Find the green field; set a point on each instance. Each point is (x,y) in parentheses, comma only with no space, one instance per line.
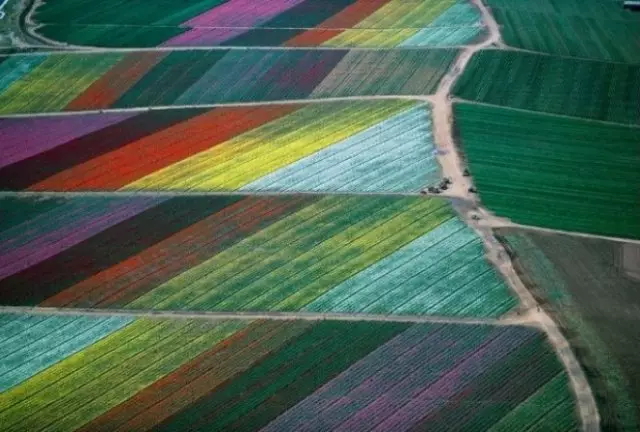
(593,29)
(122,12)
(590,287)
(551,171)
(568,86)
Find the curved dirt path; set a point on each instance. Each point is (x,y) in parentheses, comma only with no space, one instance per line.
(452,167)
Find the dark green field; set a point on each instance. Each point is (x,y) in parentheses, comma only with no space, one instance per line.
(568,86)
(590,287)
(554,172)
(594,29)
(122,12)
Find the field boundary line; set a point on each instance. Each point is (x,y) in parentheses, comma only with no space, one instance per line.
(415,98)
(278,316)
(608,122)
(172,193)
(80,49)
(520,227)
(506,47)
(189,27)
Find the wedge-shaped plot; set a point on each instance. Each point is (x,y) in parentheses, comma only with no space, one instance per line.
(370,254)
(563,173)
(203,375)
(592,288)
(356,146)
(347,23)
(81,81)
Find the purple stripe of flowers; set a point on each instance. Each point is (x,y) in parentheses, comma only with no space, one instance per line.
(241,13)
(229,20)
(434,395)
(74,232)
(23,138)
(400,366)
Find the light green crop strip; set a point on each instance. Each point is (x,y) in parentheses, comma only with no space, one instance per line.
(370,250)
(285,260)
(179,290)
(156,363)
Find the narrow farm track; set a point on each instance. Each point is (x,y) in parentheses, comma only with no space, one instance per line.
(442,109)
(278,316)
(61,48)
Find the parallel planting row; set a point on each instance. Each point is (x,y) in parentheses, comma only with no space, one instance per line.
(200,375)
(294,23)
(595,29)
(592,287)
(563,173)
(355,146)
(388,255)
(567,86)
(80,81)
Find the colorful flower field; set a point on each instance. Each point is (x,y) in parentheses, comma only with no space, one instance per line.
(293,23)
(591,286)
(357,146)
(81,81)
(269,215)
(185,374)
(383,254)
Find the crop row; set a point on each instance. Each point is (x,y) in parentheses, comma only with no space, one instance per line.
(178,375)
(567,86)
(349,23)
(568,174)
(80,81)
(359,146)
(591,286)
(388,255)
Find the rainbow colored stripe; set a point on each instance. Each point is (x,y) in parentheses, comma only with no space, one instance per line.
(81,81)
(203,375)
(292,23)
(357,146)
(372,254)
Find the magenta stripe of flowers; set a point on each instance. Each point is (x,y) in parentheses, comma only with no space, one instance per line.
(54,242)
(23,138)
(433,396)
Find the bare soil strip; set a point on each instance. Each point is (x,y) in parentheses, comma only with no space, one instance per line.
(283,316)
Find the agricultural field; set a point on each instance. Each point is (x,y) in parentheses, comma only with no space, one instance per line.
(564,173)
(593,29)
(180,374)
(591,286)
(293,23)
(356,146)
(568,86)
(367,254)
(81,81)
